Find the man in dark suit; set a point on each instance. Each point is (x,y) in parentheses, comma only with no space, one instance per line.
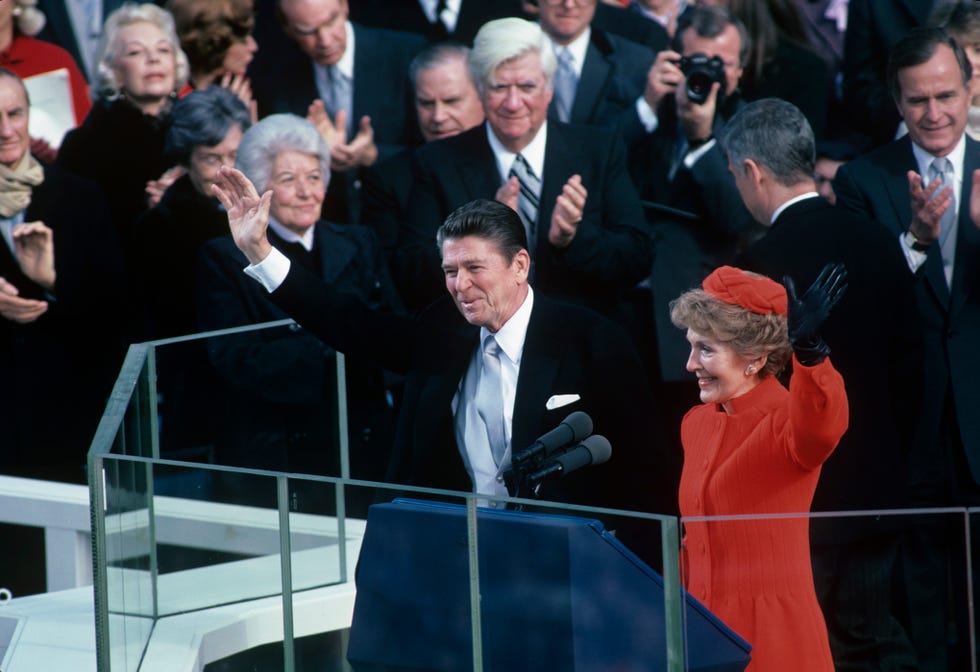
(599,75)
(437,20)
(582,214)
(682,176)
(446,103)
(360,75)
(552,359)
(875,343)
(61,336)
(929,75)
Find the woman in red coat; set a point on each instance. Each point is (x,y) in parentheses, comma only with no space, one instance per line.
(754,448)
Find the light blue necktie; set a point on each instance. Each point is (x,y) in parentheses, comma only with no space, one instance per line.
(490,399)
(943,169)
(341,97)
(566,81)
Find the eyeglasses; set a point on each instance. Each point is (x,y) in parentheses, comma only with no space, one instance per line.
(574,3)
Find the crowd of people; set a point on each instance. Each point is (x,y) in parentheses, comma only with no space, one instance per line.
(744,229)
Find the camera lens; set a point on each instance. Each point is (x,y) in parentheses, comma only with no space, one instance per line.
(699,86)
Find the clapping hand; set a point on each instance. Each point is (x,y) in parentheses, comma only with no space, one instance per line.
(567,215)
(807,314)
(16,309)
(248,213)
(34,249)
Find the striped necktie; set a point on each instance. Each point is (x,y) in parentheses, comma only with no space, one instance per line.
(527,200)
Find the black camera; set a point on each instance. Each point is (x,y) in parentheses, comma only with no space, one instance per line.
(701,73)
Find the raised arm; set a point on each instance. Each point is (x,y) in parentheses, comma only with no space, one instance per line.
(248,213)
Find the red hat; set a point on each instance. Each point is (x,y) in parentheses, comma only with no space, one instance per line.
(757,294)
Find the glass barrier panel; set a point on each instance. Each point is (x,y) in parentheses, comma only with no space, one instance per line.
(128,554)
(214,547)
(861,590)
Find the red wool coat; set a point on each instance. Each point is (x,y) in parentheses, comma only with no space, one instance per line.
(763,459)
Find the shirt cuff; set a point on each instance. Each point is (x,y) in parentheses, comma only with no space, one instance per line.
(648,118)
(271,271)
(692,157)
(914,258)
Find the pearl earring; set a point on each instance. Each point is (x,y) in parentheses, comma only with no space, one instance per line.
(749,370)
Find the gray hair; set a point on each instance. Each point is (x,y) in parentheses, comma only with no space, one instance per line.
(274,135)
(438,54)
(774,134)
(107,50)
(504,40)
(202,119)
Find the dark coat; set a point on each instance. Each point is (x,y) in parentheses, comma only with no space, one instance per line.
(408,15)
(873,28)
(386,190)
(56,372)
(613,76)
(632,25)
(121,149)
(568,350)
(283,80)
(875,340)
(876,186)
(610,253)
(689,246)
(280,405)
(168,238)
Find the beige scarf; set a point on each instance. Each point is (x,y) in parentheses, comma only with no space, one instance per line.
(17,183)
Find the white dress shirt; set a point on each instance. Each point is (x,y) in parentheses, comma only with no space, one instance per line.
(471,431)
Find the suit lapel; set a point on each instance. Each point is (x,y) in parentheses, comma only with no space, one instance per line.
(481,177)
(365,56)
(591,84)
(336,253)
(539,368)
(968,236)
(557,158)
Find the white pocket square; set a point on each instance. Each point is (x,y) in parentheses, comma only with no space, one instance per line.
(559,400)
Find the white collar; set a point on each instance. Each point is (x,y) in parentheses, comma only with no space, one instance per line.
(346,63)
(511,336)
(577,48)
(796,199)
(290,236)
(924,158)
(533,153)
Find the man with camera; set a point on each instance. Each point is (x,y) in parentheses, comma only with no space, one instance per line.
(682,174)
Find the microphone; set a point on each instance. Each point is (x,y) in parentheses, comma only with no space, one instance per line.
(572,429)
(595,449)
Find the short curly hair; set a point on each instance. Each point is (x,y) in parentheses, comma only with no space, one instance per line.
(208,28)
(751,335)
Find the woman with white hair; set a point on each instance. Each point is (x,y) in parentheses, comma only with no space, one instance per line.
(279,397)
(120,144)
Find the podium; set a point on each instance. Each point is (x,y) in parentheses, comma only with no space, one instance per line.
(558,593)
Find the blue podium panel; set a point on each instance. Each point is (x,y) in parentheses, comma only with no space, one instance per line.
(557,593)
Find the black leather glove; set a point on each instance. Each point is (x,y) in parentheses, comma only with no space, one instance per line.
(807,313)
